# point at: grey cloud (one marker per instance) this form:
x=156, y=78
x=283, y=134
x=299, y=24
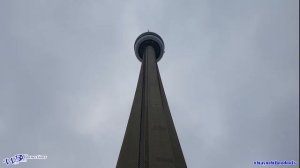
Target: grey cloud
x=230, y=72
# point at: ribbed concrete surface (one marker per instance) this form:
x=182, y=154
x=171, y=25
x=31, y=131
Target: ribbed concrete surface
x=150, y=140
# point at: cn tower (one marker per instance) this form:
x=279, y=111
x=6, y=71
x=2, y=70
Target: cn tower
x=150, y=139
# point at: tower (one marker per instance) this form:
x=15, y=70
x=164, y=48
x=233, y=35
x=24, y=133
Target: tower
x=150, y=139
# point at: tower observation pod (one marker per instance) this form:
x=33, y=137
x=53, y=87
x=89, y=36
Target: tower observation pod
x=149, y=39
x=150, y=139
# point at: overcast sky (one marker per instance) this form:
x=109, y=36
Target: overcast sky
x=68, y=75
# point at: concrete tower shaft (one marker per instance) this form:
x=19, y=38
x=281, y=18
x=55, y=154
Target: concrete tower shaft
x=150, y=139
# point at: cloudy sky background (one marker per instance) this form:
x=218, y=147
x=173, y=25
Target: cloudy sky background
x=68, y=74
